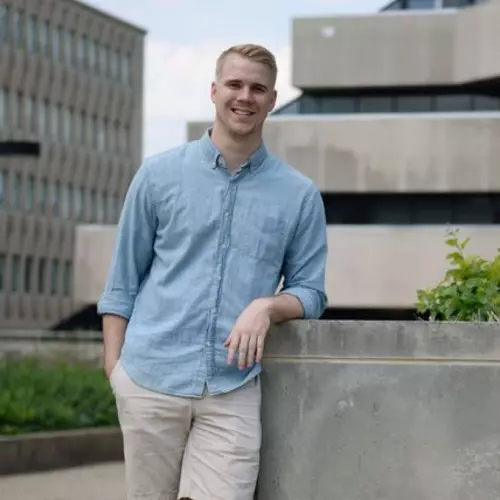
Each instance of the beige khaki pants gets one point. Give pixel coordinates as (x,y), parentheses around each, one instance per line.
(175,447)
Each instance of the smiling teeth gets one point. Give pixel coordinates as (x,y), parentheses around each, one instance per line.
(241,112)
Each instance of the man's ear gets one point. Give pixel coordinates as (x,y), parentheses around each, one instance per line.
(213,90)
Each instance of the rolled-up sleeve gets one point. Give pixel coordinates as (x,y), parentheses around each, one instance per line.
(133,249)
(305,258)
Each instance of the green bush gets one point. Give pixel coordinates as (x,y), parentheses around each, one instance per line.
(470,290)
(40,396)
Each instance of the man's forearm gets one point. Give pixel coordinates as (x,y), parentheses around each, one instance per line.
(283,308)
(113,328)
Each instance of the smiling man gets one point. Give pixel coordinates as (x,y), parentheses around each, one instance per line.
(207,232)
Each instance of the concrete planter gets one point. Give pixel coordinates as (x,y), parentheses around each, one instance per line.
(55,450)
(377,410)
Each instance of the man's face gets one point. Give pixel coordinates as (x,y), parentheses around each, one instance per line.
(243,94)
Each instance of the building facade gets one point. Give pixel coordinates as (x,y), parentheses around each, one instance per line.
(398,124)
(71,98)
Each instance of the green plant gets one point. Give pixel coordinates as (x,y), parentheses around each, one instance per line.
(470,290)
(41,396)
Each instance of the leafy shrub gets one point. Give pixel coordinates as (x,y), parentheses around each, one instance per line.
(470,290)
(40,396)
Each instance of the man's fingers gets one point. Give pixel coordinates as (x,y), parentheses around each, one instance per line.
(232,342)
(252,346)
(260,349)
(243,350)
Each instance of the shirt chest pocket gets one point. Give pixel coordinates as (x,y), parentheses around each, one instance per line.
(258,231)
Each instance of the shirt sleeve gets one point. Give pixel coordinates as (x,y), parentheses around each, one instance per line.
(133,250)
(305,258)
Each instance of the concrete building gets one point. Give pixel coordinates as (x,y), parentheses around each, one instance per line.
(70,140)
(398,123)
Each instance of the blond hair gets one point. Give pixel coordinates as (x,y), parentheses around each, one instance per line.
(251,51)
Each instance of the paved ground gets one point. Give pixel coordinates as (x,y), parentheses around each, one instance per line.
(100,482)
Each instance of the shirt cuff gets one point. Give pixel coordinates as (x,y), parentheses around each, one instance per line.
(309,300)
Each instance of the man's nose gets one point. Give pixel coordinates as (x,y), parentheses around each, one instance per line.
(245,94)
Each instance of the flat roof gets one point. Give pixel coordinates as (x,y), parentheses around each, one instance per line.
(109,17)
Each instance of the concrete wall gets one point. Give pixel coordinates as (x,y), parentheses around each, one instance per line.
(397,48)
(368,266)
(381,411)
(385,49)
(388,153)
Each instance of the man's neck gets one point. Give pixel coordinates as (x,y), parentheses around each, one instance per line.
(235,152)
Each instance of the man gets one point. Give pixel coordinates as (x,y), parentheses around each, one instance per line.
(207,232)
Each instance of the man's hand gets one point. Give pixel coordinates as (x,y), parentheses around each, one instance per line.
(250,330)
(249,333)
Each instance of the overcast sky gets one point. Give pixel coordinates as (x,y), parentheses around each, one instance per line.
(184,39)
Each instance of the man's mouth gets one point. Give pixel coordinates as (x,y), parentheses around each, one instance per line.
(242,112)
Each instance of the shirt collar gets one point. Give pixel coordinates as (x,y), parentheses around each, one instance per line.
(214,156)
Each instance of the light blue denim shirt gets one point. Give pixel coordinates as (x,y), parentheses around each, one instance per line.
(194,246)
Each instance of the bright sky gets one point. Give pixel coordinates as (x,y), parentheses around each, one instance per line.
(184,39)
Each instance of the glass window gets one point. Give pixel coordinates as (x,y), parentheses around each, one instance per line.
(28,272)
(83,128)
(375,104)
(19,108)
(421,4)
(42,117)
(4,23)
(42,267)
(31,40)
(68,47)
(93,205)
(413,103)
(485,103)
(54,122)
(103,61)
(67,115)
(114,57)
(309,105)
(43,35)
(125,68)
(29,200)
(100,208)
(16,267)
(16,192)
(29,107)
(2,188)
(458,102)
(338,105)
(67,279)
(66,206)
(3,107)
(2,272)
(101,136)
(54,277)
(92,55)
(43,194)
(78,197)
(56,197)
(56,43)
(18,29)
(82,48)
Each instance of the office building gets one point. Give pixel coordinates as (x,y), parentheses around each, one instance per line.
(398,123)
(70,140)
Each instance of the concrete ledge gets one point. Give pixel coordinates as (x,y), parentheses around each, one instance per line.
(57,450)
(365,410)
